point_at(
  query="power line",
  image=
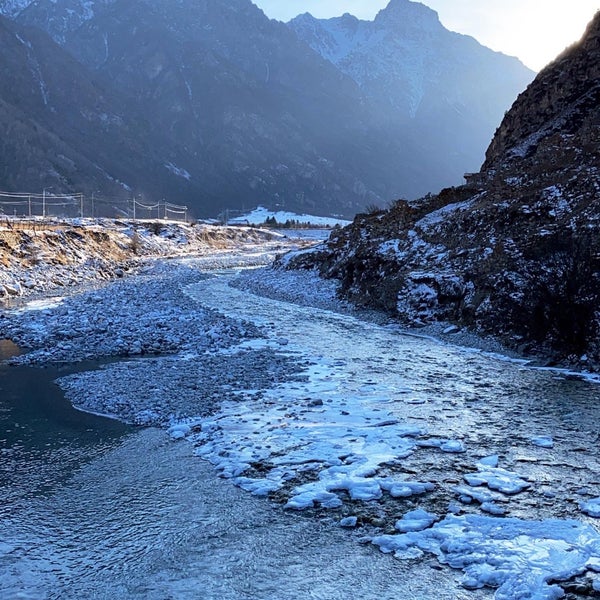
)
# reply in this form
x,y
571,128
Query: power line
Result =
x,y
76,204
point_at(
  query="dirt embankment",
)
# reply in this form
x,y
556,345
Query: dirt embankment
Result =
x,y
37,258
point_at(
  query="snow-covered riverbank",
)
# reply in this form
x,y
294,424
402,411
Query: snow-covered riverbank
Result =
x,y
38,259
302,401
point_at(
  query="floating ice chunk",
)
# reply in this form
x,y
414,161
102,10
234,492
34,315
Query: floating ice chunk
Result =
x,y
405,489
482,495
493,509
179,430
357,488
489,461
591,507
517,557
454,509
452,446
258,487
444,445
310,499
543,441
348,522
498,479
416,520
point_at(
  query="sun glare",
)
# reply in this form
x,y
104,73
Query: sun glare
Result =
x,y
519,27
533,31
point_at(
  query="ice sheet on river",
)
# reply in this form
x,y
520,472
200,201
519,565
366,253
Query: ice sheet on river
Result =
x,y
520,558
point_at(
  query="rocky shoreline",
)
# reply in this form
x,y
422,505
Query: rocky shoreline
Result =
x,y
111,302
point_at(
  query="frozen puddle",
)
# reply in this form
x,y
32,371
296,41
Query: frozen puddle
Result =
x,y
373,402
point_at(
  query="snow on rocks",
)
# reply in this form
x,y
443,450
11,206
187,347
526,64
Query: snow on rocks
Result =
x,y
519,558
591,507
449,446
543,441
147,315
67,253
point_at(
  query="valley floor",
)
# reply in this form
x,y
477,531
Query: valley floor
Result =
x,y
447,457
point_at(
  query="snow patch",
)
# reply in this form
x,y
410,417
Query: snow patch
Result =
x,y
260,214
178,171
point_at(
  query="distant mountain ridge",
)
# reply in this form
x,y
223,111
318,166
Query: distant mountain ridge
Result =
x,y
432,87
233,109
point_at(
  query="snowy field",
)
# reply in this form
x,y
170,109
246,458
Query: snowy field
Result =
x,y
421,448
259,215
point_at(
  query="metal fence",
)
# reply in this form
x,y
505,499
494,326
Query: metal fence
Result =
x,y
48,205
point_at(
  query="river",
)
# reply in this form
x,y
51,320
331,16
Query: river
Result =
x,y
92,508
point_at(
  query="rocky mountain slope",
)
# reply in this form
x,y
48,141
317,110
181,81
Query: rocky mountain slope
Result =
x,y
516,251
233,109
439,91
59,126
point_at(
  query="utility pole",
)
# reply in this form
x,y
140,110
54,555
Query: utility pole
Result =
x,y
29,203
44,201
81,206
92,205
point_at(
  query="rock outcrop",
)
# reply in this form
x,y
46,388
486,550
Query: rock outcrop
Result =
x,y
516,251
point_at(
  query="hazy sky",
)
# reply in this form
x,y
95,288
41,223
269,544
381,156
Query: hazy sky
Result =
x,y
536,31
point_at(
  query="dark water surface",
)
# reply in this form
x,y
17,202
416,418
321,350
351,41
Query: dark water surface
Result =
x,y
43,439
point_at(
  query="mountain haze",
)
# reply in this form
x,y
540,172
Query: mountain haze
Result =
x,y
224,108
441,92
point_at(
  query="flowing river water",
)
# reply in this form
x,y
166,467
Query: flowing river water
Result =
x,y
91,508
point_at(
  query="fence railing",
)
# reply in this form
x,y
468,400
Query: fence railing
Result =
x,y
48,205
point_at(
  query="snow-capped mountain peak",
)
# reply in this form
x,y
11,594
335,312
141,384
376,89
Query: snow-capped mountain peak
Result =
x,y
407,15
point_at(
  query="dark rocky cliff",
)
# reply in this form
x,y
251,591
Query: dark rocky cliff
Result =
x,y
516,251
